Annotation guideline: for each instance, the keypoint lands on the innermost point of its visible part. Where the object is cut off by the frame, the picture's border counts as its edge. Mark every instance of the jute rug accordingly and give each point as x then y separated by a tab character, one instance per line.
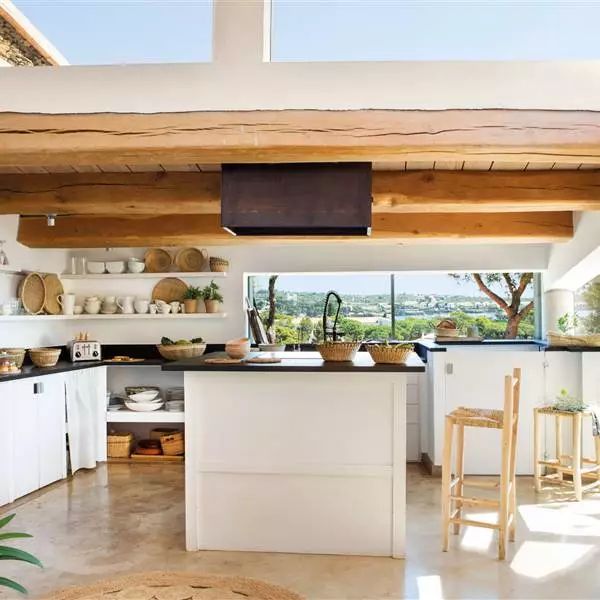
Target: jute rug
176	586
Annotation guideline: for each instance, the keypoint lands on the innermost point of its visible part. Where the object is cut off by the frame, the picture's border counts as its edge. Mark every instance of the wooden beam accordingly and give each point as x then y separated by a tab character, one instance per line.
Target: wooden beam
111	193
300	136
181	230
393	192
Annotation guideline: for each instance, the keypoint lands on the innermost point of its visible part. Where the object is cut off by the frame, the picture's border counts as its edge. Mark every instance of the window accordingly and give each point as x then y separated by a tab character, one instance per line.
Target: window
419	302
102	32
353	30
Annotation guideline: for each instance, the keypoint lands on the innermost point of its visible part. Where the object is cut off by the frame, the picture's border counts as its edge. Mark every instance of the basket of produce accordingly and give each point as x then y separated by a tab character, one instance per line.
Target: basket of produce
446	329
561	339
44	357
390	355
218	265
119	444
181	349
172	444
338	351
16	355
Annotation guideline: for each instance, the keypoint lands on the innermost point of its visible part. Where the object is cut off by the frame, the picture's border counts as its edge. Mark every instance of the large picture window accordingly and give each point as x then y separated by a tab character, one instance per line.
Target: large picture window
396	306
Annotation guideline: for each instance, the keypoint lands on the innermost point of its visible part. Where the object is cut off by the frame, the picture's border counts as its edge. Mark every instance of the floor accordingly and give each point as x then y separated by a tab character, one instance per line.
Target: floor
129	518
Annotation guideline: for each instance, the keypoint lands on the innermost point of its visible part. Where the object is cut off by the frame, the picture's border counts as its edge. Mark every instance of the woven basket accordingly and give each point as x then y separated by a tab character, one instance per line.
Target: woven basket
156	434
338	351
179	352
390	355
218	265
44	357
15	354
560	339
119	445
173	444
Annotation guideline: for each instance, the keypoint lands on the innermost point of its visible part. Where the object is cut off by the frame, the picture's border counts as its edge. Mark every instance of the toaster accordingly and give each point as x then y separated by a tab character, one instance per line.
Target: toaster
84	350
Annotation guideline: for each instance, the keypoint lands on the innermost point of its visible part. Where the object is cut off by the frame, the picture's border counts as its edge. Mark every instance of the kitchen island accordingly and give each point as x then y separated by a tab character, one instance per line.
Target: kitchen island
298	456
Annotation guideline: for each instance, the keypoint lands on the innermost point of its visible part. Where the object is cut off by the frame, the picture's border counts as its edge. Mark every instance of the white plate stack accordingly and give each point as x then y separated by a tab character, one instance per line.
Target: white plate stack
174	399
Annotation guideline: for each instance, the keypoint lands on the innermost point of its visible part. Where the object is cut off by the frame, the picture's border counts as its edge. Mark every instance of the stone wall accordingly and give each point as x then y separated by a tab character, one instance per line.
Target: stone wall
17	51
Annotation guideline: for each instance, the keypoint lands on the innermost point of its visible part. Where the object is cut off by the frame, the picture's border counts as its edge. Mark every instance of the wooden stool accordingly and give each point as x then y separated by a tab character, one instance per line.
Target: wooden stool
452	487
573	463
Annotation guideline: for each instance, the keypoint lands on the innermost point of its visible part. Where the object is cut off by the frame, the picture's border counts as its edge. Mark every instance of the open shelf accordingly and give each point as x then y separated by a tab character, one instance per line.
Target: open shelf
85	317
157	416
211	274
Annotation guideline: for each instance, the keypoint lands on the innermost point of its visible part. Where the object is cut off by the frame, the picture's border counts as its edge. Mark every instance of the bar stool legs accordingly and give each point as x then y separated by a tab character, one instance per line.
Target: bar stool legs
446	482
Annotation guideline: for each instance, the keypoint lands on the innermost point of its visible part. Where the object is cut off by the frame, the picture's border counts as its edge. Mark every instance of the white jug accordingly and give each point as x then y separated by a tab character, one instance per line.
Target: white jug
141	306
125	303
67	303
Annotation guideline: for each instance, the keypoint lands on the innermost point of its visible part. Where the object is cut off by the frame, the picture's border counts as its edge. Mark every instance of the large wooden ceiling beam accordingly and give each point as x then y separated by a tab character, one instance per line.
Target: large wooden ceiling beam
393	191
181	230
299	136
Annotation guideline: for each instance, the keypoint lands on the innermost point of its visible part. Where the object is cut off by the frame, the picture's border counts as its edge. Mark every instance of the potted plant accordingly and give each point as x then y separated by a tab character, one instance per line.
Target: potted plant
8	553
212	297
190	299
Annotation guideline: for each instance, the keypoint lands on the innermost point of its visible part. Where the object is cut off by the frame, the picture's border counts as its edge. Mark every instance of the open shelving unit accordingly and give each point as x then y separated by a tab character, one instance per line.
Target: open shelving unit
178	274
118	316
156	416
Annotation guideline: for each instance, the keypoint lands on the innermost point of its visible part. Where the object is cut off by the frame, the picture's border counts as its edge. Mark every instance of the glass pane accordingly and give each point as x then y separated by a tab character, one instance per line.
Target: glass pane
332	30
102	32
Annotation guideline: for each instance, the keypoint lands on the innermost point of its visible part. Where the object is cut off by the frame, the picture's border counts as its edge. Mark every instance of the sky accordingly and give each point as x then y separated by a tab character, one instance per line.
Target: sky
133	31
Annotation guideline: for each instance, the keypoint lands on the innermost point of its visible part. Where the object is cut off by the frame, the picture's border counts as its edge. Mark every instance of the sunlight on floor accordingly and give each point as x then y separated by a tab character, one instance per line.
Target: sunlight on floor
479	538
430	587
562	519
540	559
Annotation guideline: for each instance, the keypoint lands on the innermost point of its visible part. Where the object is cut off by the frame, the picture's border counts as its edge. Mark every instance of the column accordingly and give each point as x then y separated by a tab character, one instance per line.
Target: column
556	304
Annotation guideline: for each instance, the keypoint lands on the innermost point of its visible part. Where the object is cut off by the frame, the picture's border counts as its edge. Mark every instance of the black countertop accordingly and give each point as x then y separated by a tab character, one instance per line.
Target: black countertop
298	362
62	366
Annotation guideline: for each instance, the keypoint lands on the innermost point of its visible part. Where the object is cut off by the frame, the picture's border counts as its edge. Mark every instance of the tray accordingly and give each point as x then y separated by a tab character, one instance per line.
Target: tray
53	289
169	289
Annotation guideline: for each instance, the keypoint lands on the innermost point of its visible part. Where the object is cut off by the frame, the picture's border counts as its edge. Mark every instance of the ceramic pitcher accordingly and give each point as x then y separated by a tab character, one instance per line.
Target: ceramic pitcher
125	303
141	306
67	303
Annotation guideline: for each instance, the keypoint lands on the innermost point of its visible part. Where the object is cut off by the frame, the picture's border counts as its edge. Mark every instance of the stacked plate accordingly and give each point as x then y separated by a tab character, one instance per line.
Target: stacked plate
175	399
145	401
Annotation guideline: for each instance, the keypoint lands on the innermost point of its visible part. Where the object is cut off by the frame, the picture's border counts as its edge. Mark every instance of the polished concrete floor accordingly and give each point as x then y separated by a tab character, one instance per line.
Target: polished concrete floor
129	518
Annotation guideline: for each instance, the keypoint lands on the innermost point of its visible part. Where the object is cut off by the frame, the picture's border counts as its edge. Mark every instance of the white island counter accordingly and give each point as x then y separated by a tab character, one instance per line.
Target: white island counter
301	456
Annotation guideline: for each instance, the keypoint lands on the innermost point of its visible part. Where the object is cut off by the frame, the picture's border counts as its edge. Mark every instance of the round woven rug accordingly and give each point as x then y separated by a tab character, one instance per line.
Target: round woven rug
176	586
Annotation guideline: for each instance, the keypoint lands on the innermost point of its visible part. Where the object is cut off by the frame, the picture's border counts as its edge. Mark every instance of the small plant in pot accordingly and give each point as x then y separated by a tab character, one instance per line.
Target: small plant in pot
190	299
212	297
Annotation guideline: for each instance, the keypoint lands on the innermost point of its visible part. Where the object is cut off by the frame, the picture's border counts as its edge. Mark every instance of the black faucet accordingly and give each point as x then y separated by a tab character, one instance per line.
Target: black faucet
331	330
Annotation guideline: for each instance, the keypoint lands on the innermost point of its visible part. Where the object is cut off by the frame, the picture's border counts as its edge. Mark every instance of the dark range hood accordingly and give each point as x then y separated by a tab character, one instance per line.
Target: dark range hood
296	199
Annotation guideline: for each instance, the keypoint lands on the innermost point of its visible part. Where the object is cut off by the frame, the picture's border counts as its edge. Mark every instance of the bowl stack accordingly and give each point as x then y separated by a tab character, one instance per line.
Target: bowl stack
144	401
174	399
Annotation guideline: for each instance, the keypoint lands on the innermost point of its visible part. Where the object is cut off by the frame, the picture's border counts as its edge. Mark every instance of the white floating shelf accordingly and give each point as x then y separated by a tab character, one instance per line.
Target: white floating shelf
157	416
111	317
213	275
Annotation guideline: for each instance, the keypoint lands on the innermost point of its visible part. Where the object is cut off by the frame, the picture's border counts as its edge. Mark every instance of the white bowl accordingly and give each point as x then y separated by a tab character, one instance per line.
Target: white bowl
95	267
143	406
77	309
115	266
147	396
135	266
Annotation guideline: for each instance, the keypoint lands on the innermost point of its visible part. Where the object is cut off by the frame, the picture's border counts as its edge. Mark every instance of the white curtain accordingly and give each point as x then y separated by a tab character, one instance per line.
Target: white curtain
86	417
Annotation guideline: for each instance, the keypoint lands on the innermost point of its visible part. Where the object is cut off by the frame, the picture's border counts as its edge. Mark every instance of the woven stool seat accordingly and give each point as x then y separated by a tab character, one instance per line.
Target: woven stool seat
478	417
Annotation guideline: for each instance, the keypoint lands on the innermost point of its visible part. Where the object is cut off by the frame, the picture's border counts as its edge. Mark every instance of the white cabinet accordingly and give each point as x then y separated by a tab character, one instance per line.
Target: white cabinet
6	443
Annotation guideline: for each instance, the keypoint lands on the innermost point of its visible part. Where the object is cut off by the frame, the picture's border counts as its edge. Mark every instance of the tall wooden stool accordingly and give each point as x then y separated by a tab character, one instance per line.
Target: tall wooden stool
453	499
573	463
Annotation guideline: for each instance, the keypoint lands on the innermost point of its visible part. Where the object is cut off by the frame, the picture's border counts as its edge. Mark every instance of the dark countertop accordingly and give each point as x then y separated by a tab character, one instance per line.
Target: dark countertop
298	362
431	346
62	366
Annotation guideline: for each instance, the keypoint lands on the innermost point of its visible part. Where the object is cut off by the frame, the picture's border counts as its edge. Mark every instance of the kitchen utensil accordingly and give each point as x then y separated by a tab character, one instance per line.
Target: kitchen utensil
141	306
181	351
146	396
115	266
94	267
175	405
191	259
175	306
237	348
143	406
338	351
125	303
54	289
32	292
135	265
66	303
157	260
169	289
218	265
44	357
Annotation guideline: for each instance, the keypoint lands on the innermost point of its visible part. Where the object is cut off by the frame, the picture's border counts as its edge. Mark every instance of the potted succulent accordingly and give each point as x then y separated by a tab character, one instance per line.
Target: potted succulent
9	553
212	297
190	299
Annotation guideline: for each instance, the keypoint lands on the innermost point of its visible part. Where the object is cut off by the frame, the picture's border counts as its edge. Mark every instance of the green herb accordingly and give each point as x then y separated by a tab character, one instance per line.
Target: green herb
192	293
567	323
211	292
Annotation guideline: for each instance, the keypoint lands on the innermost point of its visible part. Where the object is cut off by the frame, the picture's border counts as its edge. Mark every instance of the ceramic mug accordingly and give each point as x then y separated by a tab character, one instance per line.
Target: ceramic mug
163	307
67	302
125	303
92	307
175	306
153	308
141	306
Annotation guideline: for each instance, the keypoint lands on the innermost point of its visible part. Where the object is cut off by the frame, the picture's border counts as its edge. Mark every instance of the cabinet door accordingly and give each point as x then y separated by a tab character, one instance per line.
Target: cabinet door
6	444
26	472
50	400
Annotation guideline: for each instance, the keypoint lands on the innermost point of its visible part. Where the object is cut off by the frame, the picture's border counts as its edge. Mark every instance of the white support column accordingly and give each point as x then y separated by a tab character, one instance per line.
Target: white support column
556	304
241	32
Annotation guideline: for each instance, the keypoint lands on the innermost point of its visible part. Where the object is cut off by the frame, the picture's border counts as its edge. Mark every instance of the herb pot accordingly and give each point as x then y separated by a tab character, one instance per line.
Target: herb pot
190	306
212	306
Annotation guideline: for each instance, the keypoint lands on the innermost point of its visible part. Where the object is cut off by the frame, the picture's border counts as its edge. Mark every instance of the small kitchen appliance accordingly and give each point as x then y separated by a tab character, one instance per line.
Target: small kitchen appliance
81	348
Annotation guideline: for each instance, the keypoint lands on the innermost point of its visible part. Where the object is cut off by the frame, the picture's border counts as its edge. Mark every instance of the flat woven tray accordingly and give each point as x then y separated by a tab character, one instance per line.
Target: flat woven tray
169	289
223	361
53	289
191	260
157	260
263	360
32	292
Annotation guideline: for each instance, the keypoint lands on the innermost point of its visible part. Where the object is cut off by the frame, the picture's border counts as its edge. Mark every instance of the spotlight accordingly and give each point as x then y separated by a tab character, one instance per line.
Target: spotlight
51	220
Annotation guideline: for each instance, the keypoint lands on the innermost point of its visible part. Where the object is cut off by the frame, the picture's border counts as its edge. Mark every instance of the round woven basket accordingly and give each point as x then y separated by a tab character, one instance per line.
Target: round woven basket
218	265
44	357
390	355
338	351
157	260
173	444
191	260
32	292
179	352
15	354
